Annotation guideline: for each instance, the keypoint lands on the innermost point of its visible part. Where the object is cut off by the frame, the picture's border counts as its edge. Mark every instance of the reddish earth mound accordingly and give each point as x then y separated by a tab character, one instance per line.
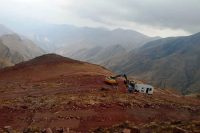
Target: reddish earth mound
50	66
52	92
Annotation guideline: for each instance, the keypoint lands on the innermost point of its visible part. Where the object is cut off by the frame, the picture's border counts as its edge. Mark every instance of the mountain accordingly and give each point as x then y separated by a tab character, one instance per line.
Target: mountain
168	63
4	30
84	43
106	54
52	37
96	40
51	93
15	49
97	54
7	57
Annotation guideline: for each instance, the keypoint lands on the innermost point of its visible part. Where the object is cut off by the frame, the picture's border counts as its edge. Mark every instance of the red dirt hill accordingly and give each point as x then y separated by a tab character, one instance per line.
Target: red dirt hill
50	66
52	92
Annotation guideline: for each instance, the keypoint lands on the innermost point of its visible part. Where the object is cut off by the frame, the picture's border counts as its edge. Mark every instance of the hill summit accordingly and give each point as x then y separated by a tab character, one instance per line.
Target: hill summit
50	66
49	59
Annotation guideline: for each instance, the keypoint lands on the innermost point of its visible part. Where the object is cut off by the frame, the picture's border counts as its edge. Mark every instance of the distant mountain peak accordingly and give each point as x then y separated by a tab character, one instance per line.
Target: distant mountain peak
196	34
128	31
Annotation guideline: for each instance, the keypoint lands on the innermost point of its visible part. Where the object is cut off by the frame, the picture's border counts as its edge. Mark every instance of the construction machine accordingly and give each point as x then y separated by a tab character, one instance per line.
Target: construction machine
112	80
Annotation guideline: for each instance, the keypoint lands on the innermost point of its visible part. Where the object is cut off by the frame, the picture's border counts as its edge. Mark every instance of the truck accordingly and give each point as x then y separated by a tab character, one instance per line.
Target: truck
144	88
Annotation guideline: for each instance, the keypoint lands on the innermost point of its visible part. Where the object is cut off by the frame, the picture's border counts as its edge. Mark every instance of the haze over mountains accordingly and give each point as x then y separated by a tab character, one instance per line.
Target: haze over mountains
84	43
52	37
4	30
15	49
101	66
168	63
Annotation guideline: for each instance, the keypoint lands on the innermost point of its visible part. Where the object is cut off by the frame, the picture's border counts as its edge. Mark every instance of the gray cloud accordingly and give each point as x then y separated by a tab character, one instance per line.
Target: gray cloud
175	14
151	17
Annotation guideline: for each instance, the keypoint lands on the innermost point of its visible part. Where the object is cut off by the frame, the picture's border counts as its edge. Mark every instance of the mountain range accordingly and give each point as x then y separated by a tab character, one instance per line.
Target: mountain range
167	63
51	93
84	43
172	62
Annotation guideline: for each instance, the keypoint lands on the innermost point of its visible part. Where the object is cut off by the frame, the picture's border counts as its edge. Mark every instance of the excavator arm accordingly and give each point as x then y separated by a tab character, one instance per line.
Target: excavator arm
129	84
112	79
117	76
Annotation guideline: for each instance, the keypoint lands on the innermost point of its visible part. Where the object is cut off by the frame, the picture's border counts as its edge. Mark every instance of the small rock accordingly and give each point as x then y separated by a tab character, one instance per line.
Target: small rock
127	123
44	131
26	130
126	130
8	129
60	130
24	107
176	122
68	130
135	130
99	130
147	105
105	89
49	130
179	130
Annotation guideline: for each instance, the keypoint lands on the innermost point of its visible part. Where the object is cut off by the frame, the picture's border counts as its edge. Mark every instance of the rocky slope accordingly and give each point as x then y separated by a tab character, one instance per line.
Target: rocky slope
167	63
54	93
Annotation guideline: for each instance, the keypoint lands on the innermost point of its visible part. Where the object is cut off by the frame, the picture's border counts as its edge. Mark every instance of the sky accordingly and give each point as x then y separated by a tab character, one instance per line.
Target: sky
151	17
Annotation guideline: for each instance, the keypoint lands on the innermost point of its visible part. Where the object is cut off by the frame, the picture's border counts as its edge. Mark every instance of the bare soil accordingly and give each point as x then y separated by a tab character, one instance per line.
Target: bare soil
70	96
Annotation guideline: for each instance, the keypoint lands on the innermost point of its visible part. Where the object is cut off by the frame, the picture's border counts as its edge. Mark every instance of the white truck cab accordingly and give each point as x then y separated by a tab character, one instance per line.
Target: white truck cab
144	88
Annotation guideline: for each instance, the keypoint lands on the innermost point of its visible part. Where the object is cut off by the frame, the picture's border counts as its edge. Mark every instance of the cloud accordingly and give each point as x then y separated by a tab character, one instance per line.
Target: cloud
173	14
151	17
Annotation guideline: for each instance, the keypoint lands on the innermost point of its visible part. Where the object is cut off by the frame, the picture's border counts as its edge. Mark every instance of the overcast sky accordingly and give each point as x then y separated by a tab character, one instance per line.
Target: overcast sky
151	17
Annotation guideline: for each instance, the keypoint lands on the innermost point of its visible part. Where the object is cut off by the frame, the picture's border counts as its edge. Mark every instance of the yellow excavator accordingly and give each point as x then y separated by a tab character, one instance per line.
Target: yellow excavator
112	80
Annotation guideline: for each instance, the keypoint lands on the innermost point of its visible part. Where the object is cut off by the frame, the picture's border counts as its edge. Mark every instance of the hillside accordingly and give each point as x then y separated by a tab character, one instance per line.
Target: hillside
48	67
167	63
7	57
15	49
98	54
55	93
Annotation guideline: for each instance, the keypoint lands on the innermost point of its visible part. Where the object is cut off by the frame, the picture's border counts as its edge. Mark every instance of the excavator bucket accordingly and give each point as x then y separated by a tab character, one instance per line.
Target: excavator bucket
110	80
